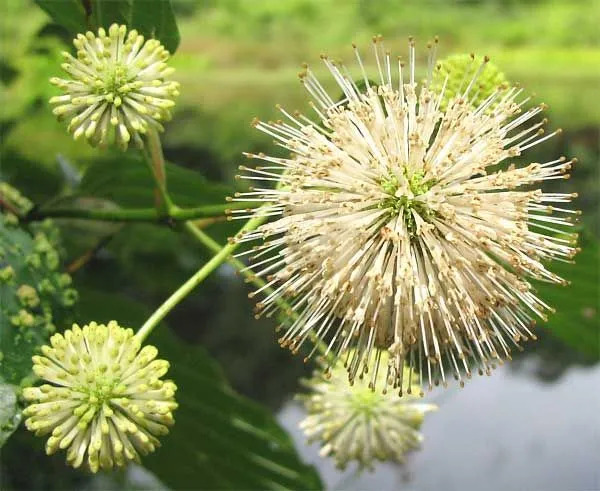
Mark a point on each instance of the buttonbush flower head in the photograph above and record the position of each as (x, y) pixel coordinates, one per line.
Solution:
(117, 87)
(396, 225)
(104, 397)
(354, 422)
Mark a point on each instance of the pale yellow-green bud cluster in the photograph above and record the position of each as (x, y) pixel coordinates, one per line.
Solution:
(355, 422)
(456, 71)
(118, 86)
(104, 396)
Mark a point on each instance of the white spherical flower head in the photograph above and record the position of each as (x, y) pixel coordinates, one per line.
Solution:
(399, 226)
(356, 423)
(104, 396)
(118, 86)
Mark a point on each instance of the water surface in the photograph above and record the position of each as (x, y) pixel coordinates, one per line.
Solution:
(510, 431)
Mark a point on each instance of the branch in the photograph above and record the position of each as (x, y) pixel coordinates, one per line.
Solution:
(220, 256)
(285, 307)
(135, 214)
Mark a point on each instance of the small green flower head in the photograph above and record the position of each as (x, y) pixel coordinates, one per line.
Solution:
(14, 199)
(460, 70)
(117, 87)
(104, 396)
(354, 422)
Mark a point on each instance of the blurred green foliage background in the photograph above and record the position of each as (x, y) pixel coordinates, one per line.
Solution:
(236, 60)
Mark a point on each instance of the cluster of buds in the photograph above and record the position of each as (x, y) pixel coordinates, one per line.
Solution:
(117, 85)
(356, 423)
(104, 396)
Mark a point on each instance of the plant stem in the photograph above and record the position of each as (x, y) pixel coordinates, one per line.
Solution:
(175, 214)
(177, 296)
(214, 246)
(156, 161)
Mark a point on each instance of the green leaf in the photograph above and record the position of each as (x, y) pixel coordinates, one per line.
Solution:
(129, 183)
(10, 416)
(107, 12)
(152, 18)
(155, 18)
(71, 14)
(576, 318)
(220, 439)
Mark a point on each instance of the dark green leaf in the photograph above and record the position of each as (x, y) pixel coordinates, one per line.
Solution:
(152, 18)
(107, 12)
(155, 18)
(128, 182)
(71, 14)
(576, 317)
(10, 416)
(83, 15)
(220, 440)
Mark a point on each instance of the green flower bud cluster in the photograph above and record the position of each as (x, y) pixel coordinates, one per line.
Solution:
(118, 84)
(354, 422)
(460, 70)
(35, 296)
(104, 396)
(15, 199)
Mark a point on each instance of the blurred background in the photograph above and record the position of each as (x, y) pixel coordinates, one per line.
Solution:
(533, 425)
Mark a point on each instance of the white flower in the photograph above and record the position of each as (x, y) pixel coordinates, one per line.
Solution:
(394, 226)
(357, 423)
(118, 84)
(105, 396)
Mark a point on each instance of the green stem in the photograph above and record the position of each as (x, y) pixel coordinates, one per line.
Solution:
(136, 214)
(214, 246)
(156, 161)
(177, 296)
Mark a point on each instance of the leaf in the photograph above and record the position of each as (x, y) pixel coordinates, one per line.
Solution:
(107, 12)
(220, 439)
(10, 416)
(71, 14)
(576, 318)
(128, 183)
(152, 18)
(155, 18)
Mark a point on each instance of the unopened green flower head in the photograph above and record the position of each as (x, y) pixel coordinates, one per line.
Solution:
(456, 71)
(104, 397)
(117, 87)
(359, 423)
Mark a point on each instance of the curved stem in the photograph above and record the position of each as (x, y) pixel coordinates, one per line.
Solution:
(177, 296)
(214, 246)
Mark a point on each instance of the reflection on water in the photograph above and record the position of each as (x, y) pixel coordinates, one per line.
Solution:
(505, 432)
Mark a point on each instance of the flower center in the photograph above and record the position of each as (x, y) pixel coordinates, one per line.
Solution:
(102, 389)
(114, 79)
(365, 400)
(406, 204)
